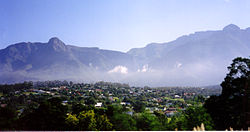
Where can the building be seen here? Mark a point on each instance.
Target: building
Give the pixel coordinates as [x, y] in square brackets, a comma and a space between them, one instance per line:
[98, 105]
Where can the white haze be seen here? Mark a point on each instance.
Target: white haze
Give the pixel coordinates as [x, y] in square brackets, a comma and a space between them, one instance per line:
[202, 73]
[198, 59]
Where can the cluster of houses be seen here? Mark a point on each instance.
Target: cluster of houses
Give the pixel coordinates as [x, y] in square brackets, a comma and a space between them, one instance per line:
[167, 100]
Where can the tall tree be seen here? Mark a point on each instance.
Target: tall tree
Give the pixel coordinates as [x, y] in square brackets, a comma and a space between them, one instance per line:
[148, 122]
[72, 122]
[50, 115]
[139, 106]
[7, 118]
[123, 122]
[194, 116]
[227, 110]
[87, 120]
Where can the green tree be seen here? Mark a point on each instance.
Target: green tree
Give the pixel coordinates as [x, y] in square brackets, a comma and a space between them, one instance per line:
[176, 122]
[163, 119]
[78, 107]
[194, 116]
[50, 115]
[148, 122]
[72, 122]
[90, 101]
[103, 123]
[114, 109]
[120, 120]
[139, 106]
[7, 118]
[123, 122]
[227, 109]
[87, 120]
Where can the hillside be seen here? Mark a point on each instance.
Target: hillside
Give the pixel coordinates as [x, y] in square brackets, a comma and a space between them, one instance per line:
[197, 59]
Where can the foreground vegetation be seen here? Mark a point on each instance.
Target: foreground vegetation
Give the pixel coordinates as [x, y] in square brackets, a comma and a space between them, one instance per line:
[56, 105]
[62, 105]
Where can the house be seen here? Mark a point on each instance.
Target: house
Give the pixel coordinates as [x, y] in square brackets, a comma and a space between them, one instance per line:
[98, 90]
[171, 109]
[168, 104]
[127, 103]
[177, 96]
[64, 102]
[55, 88]
[129, 113]
[169, 113]
[98, 105]
[150, 109]
[63, 87]
[122, 103]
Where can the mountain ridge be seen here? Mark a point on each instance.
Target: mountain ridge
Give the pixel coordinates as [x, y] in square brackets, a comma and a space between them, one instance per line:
[200, 58]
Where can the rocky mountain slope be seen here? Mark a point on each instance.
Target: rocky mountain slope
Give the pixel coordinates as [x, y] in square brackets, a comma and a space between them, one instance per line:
[196, 59]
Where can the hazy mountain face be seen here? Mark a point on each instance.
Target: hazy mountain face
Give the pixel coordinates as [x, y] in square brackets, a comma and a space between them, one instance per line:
[55, 60]
[197, 59]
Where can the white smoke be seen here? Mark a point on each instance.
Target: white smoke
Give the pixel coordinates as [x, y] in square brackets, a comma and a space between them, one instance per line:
[178, 64]
[144, 68]
[119, 69]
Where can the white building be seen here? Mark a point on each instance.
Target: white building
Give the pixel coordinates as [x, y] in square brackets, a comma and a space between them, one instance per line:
[98, 105]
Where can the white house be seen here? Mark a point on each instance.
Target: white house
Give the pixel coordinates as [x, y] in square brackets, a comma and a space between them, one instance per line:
[98, 105]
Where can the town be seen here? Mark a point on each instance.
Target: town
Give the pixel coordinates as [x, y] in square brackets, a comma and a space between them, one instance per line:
[168, 100]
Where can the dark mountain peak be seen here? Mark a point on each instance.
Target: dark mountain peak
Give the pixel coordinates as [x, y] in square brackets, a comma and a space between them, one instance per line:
[55, 40]
[231, 27]
[57, 44]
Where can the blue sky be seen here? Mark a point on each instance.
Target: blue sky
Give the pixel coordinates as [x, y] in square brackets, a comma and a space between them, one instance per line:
[115, 24]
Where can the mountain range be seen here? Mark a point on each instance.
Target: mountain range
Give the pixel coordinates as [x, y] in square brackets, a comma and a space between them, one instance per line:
[197, 59]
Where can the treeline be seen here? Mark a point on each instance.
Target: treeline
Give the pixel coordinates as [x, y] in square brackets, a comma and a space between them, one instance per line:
[58, 83]
[10, 88]
[55, 83]
[53, 115]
